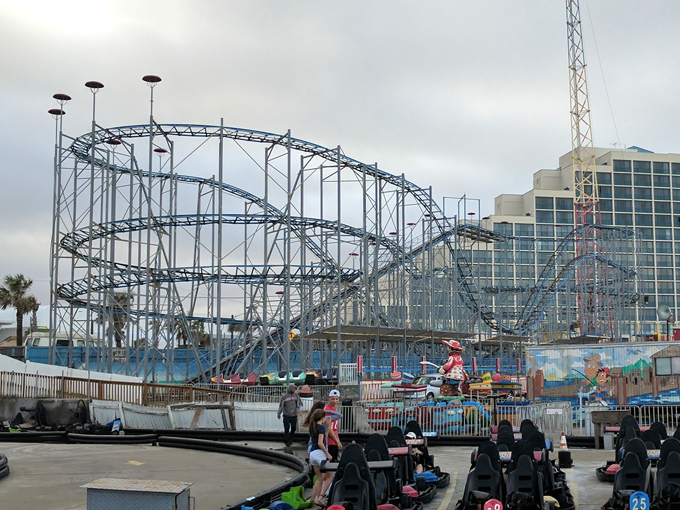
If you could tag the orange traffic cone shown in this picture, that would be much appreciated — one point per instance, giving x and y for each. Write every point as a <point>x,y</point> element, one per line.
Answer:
<point>563,442</point>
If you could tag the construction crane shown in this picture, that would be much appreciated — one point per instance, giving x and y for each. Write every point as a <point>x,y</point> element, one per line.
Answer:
<point>592,307</point>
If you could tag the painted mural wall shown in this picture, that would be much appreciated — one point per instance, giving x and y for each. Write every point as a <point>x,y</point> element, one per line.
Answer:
<point>613,374</point>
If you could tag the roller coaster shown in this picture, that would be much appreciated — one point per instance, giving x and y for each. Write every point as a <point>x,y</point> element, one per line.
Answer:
<point>181,251</point>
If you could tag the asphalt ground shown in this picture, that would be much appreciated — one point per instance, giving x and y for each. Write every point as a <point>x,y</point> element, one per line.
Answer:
<point>49,476</point>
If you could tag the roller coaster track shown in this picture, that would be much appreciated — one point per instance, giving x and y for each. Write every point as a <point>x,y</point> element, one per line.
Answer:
<point>122,275</point>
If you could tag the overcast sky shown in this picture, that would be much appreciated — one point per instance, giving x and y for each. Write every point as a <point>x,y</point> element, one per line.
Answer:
<point>470,97</point>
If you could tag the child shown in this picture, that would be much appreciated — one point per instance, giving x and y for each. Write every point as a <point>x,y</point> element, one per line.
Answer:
<point>318,454</point>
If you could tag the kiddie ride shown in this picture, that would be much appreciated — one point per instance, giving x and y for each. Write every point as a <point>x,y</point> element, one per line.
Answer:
<point>637,451</point>
<point>513,470</point>
<point>383,475</point>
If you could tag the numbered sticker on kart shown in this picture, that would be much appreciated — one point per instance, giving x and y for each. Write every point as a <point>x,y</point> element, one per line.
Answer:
<point>493,504</point>
<point>638,501</point>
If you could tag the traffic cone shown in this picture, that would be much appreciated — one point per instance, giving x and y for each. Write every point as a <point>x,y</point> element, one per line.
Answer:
<point>563,442</point>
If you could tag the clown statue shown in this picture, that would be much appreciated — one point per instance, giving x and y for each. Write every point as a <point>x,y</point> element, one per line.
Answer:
<point>453,368</point>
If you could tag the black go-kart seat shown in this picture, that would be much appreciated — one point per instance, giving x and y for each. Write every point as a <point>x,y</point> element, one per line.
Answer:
<point>504,422</point>
<point>483,483</point>
<point>376,442</point>
<point>631,477</point>
<point>669,445</point>
<point>519,449</point>
<point>623,440</point>
<point>524,486</point>
<point>351,488</point>
<point>354,454</point>
<point>525,422</point>
<point>651,439</point>
<point>667,483</point>
<point>660,429</point>
<point>637,446</point>
<point>382,492</point>
<point>505,439</point>
<point>629,421</point>
<point>490,449</point>
<point>396,434</point>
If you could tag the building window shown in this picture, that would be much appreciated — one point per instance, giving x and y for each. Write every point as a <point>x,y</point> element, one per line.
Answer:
<point>661,167</point>
<point>607,218</point>
<point>544,203</point>
<point>663,220</point>
<point>563,217</point>
<point>624,220</point>
<point>524,229</point>
<point>564,204</point>
<point>622,180</point>
<point>545,231</point>
<point>605,191</point>
<point>665,366</point>
<point>662,181</point>
<point>525,244</point>
<point>625,192</point>
<point>664,261</point>
<point>664,274</point>
<point>664,234</point>
<point>661,193</point>
<point>604,177</point>
<point>645,233</point>
<point>545,217</point>
<point>503,228</point>
<point>676,194</point>
<point>526,257</point>
<point>623,205</point>
<point>676,181</point>
<point>647,246</point>
<point>643,193</point>
<point>622,166</point>
<point>666,288</point>
<point>605,205</point>
<point>664,247</point>
<point>647,259</point>
<point>662,207</point>
<point>546,245</point>
<point>643,206</point>
<point>643,180</point>
<point>564,230</point>
<point>543,257</point>
<point>644,220</point>
<point>643,167</point>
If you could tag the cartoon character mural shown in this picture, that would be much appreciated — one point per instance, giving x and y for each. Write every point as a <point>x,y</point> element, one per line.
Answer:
<point>592,364</point>
<point>602,390</point>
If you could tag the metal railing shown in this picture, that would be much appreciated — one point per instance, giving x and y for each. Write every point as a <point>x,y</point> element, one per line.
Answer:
<point>254,408</point>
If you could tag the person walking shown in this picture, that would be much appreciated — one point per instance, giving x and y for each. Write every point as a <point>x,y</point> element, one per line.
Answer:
<point>289,406</point>
<point>334,444</point>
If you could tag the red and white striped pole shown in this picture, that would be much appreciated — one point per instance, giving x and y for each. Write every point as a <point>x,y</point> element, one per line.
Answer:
<point>422,366</point>
<point>394,363</point>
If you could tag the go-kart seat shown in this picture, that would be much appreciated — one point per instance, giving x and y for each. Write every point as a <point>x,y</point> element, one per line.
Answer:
<point>483,483</point>
<point>667,447</point>
<point>524,485</point>
<point>667,482</point>
<point>351,488</point>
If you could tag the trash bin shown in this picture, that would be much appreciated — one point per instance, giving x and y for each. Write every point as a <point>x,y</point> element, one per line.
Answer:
<point>608,441</point>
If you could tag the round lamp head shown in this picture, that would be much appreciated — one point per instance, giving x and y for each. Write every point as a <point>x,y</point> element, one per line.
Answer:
<point>151,79</point>
<point>62,97</point>
<point>663,312</point>
<point>56,112</point>
<point>94,85</point>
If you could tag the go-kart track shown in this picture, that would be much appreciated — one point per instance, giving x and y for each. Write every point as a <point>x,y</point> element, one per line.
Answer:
<point>49,475</point>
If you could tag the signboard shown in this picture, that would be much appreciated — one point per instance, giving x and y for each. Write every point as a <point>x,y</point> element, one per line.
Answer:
<point>639,501</point>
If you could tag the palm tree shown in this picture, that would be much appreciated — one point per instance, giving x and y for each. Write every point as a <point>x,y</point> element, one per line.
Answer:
<point>14,294</point>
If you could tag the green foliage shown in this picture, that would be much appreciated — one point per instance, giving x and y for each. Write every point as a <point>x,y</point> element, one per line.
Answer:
<point>14,294</point>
